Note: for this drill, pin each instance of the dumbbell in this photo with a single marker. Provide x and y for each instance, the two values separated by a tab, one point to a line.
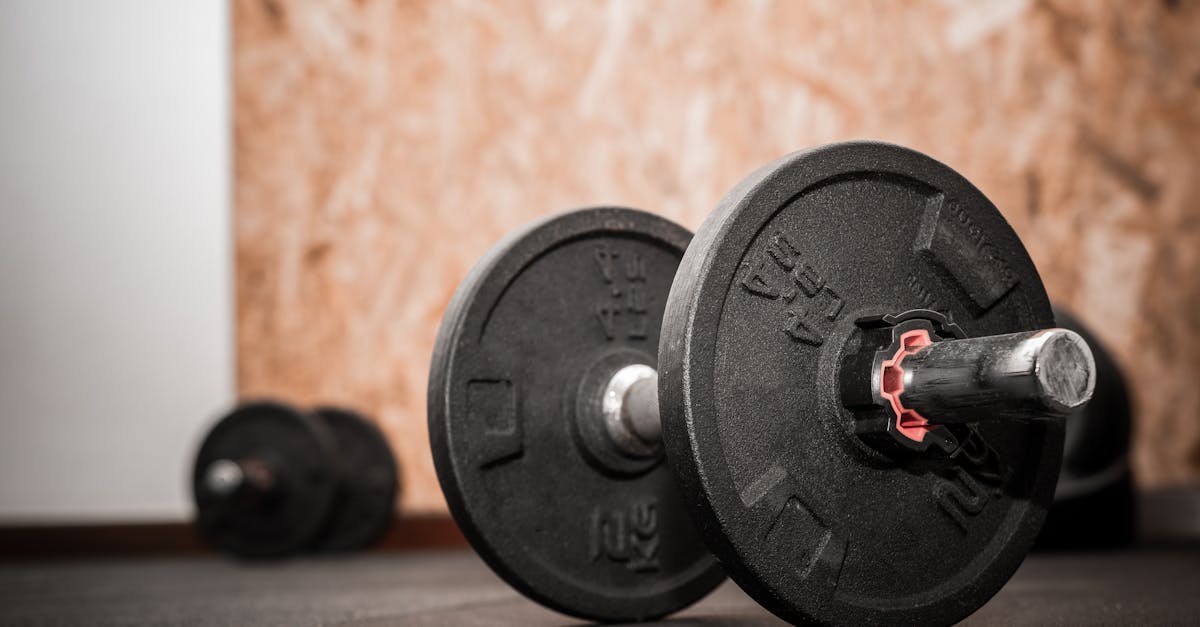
850	373
270	481
1094	503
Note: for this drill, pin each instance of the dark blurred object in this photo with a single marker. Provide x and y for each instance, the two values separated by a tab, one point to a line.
266	481
272	481
370	482
1094	501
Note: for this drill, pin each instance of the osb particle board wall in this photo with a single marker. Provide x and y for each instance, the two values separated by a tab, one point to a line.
381	147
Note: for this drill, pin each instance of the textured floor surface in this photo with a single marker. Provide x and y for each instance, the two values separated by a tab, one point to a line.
1147	586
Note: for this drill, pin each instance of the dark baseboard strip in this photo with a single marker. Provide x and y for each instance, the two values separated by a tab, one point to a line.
98	540
144	539
422	532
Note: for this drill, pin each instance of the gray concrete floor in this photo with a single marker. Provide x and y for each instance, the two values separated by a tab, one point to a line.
1144	586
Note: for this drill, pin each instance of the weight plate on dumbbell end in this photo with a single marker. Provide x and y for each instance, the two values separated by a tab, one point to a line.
809	520
524	350
367	502
265	481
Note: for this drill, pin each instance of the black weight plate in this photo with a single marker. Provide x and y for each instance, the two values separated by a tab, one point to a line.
809	521
525	331
299	450
367	503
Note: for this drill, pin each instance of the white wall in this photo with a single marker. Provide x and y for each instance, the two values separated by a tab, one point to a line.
115	254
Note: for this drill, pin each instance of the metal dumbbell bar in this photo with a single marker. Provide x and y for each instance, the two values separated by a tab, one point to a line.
1034	375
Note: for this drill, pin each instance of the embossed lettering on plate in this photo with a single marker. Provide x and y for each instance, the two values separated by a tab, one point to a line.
626	535
950	240
810	306
621	311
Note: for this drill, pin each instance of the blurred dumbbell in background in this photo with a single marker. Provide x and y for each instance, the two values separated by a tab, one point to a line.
271	481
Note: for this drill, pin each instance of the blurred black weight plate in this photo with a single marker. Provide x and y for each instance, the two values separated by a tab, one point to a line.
1094	505
810	522
367	502
265	481
546	314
